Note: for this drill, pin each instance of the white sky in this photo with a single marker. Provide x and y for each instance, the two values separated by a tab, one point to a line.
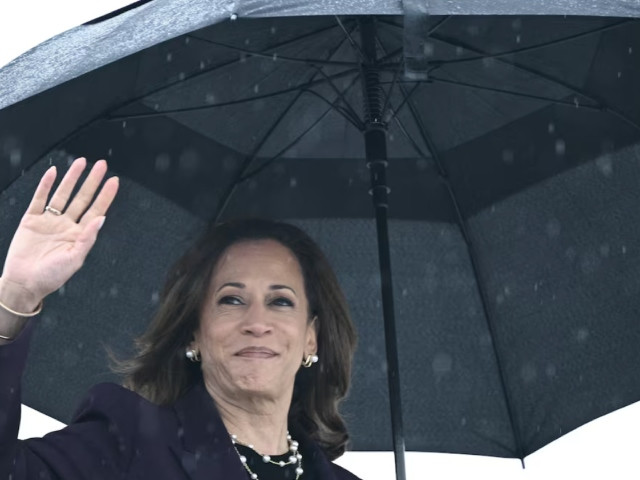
605	448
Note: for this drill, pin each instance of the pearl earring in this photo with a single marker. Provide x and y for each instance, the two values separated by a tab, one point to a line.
309	360
193	354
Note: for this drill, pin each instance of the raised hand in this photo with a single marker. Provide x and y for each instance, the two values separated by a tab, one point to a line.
51	244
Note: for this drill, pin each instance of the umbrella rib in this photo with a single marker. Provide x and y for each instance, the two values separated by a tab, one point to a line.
213	69
354	115
474	266
333	106
296	88
259	169
598	108
224	201
549	78
536	46
353	43
274	56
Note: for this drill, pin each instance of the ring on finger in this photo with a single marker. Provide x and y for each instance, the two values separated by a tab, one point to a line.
55	211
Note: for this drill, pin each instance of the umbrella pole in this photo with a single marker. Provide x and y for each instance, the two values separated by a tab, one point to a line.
375	137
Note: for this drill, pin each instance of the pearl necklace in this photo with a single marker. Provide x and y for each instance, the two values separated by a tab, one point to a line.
295	457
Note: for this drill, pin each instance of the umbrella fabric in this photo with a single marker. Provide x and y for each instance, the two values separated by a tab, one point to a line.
513	168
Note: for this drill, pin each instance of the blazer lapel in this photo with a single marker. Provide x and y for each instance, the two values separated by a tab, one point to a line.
206	452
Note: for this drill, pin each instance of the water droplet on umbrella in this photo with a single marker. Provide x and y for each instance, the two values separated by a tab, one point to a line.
405	292
210	98
275	57
605	164
551	128
463	421
256	88
428	49
459	51
186	40
181	76
247	41
561	147
124	124
550	370
15	157
163	162
582	334
553	228
293	182
273	30
528	373
442	364
110	152
155	297
630	50
624	250
518	38
507	156
169	57
576	102
201	64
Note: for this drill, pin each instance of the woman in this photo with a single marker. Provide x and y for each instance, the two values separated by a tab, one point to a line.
238	376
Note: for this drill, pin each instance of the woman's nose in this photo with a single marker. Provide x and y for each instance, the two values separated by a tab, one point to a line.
256	321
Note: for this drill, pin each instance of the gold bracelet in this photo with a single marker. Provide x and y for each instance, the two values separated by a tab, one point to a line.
23	315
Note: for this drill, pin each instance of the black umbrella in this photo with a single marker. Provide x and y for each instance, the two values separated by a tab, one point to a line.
509	144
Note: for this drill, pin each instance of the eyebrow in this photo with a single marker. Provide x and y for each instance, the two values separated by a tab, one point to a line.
242	285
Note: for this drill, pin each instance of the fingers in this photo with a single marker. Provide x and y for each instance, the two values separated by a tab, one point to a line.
63	192
39	200
102	202
85	195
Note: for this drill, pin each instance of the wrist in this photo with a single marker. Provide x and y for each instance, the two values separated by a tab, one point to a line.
17	297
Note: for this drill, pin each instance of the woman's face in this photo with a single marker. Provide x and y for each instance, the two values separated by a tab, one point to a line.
254	326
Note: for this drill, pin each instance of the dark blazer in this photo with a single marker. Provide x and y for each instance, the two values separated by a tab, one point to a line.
117	434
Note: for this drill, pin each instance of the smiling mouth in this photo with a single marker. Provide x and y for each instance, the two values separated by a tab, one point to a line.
256	352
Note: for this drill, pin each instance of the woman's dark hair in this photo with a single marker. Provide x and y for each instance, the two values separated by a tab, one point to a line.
161	373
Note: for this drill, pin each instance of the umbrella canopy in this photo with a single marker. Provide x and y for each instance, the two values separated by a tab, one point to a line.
512	146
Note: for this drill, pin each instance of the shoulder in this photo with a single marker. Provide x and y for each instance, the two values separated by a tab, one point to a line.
342	473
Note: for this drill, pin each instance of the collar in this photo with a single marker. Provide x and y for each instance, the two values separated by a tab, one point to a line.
207	447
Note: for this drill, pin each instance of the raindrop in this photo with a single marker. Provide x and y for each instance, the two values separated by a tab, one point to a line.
405	292
624	250
459	51
181	76
518	38
442	364
488	62
391	135
605	164
576	102
110	152
62	290
210	98
619	74
581	335
630	50
551	128
247	41
561	147
124	124
553	228
169	57
256	88
528	373
201	64
233	17
507	156
187	40
273	30
551	370
15	157
163	162
293	182
428	49
507	291
275	57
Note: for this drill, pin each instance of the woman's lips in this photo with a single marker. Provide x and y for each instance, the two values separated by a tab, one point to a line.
256	352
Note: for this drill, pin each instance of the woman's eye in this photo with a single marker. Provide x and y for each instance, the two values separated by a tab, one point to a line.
282	302
228	300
